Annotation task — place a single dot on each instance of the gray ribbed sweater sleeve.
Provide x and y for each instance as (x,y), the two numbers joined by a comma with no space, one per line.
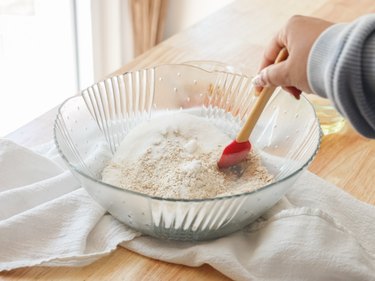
(341,67)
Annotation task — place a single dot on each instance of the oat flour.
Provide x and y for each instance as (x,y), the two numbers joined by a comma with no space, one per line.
(174,156)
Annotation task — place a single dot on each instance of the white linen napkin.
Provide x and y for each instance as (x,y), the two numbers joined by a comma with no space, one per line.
(317,232)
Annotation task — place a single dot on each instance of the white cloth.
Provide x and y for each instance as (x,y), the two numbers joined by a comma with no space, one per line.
(317,232)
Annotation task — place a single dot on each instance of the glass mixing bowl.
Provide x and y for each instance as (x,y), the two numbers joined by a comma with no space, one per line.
(89,128)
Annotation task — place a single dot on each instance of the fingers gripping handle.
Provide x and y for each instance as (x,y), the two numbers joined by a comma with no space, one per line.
(260,104)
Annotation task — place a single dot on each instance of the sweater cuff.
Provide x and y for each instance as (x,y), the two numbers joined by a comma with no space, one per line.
(325,49)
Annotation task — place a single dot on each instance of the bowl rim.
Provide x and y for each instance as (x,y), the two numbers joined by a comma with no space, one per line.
(227,197)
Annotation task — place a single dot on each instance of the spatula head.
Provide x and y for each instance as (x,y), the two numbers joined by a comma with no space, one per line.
(234,153)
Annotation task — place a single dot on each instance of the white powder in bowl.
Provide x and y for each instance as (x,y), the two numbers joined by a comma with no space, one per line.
(175,156)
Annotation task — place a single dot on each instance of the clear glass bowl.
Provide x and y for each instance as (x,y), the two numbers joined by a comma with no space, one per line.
(89,128)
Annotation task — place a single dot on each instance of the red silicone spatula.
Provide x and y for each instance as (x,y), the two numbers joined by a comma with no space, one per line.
(238,149)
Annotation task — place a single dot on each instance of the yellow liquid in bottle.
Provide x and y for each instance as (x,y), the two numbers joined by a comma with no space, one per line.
(330,120)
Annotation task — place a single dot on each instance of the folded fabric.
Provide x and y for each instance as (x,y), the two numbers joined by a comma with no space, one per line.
(317,232)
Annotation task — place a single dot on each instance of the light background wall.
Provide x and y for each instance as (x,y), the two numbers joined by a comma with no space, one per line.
(184,13)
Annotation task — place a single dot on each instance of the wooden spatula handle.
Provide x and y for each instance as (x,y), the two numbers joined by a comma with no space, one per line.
(260,104)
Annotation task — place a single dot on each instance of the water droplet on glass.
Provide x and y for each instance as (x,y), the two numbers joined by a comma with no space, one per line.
(175,89)
(178,74)
(188,99)
(160,78)
(285,112)
(297,115)
(195,82)
(287,137)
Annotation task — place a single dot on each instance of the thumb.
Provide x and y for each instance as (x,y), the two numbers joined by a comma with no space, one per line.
(272,75)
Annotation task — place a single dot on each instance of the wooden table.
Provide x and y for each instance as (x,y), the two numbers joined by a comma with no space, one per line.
(235,35)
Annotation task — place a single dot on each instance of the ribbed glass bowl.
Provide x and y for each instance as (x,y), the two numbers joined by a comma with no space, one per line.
(89,128)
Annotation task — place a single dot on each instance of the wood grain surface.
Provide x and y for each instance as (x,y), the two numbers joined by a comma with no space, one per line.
(235,35)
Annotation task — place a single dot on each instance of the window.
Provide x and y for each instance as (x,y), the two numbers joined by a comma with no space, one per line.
(38,62)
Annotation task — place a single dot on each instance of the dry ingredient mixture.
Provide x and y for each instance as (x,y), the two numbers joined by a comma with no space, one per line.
(174,156)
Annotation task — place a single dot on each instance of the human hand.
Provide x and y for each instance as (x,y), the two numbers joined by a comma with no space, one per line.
(298,37)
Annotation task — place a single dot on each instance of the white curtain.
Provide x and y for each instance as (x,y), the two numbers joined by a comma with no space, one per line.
(111,36)
(17,7)
(122,29)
